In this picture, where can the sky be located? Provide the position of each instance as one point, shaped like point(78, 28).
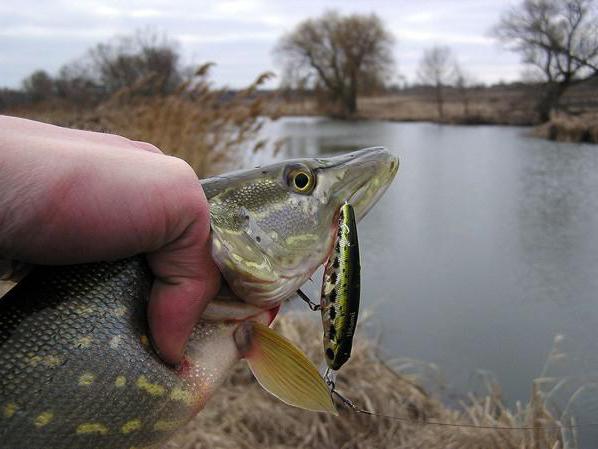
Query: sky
point(239, 35)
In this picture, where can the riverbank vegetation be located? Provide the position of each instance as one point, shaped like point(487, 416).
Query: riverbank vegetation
point(556, 39)
point(137, 89)
point(342, 66)
point(242, 415)
point(505, 104)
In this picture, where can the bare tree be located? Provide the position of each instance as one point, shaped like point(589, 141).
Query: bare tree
point(126, 60)
point(39, 85)
point(344, 55)
point(559, 38)
point(436, 68)
point(463, 81)
point(77, 83)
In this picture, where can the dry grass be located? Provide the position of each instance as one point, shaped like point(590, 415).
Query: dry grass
point(507, 105)
point(481, 109)
point(567, 128)
point(242, 415)
point(209, 128)
point(484, 106)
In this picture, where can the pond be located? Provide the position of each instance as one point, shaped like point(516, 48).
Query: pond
point(482, 257)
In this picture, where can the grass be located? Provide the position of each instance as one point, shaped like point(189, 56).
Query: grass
point(567, 128)
point(501, 105)
point(209, 128)
point(474, 106)
point(242, 415)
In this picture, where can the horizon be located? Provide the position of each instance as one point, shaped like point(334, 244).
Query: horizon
point(239, 37)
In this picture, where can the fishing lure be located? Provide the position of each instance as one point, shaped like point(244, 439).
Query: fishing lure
point(339, 300)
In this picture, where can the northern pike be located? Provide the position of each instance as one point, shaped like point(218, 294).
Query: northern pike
point(77, 369)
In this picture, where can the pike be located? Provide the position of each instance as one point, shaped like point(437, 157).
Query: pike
point(77, 368)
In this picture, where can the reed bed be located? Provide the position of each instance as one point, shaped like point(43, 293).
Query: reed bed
point(506, 107)
point(242, 415)
point(212, 129)
point(581, 128)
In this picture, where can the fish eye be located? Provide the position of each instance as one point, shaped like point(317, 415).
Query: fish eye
point(301, 180)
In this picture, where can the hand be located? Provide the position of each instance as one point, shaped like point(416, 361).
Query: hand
point(69, 196)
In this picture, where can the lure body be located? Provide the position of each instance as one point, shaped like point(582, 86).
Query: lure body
point(339, 301)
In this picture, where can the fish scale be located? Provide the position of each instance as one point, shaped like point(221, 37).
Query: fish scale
point(76, 312)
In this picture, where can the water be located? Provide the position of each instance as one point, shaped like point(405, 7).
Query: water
point(483, 250)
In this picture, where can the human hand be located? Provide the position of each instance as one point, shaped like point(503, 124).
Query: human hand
point(70, 196)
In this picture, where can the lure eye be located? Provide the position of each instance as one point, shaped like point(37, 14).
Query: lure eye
point(301, 180)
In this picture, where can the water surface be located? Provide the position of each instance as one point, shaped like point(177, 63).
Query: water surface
point(483, 250)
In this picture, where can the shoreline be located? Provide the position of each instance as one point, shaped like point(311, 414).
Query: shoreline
point(561, 128)
point(478, 107)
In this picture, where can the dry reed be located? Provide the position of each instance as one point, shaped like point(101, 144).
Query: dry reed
point(242, 415)
point(508, 107)
point(567, 128)
point(209, 128)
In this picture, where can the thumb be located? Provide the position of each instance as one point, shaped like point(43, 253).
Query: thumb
point(186, 279)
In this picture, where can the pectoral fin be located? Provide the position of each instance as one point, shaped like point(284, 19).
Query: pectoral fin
point(282, 369)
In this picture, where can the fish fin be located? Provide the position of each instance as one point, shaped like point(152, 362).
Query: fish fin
point(282, 369)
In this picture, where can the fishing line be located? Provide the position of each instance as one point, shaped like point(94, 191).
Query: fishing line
point(312, 305)
point(364, 411)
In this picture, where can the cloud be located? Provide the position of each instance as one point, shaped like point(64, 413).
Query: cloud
point(236, 34)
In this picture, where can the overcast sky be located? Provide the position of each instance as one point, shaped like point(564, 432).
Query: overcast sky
point(239, 34)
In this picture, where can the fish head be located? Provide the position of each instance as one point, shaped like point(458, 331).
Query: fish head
point(273, 226)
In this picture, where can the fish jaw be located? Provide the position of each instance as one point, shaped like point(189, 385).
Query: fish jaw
point(268, 238)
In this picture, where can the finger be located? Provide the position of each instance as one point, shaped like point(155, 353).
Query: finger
point(174, 310)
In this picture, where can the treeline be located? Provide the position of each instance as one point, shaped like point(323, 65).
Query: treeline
point(338, 58)
point(345, 56)
point(146, 60)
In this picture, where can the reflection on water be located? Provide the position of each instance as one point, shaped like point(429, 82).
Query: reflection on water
point(483, 250)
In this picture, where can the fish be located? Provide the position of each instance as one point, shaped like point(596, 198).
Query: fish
point(339, 301)
point(77, 367)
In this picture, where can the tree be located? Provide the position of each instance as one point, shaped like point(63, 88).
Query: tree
point(436, 68)
point(344, 55)
point(559, 38)
point(463, 82)
point(127, 60)
point(38, 86)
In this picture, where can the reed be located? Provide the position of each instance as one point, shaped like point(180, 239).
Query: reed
point(581, 128)
point(242, 415)
point(210, 128)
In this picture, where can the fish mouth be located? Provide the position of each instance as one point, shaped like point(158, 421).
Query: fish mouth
point(361, 177)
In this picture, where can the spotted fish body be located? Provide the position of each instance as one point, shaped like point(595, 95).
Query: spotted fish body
point(339, 303)
point(77, 368)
